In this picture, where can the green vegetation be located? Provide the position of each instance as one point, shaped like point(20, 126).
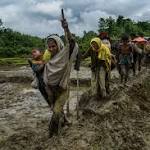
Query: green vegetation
point(15, 44)
point(116, 27)
point(16, 61)
point(84, 41)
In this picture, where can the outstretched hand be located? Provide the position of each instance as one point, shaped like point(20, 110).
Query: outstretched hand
point(64, 24)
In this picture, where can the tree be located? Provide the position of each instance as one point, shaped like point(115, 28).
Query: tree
point(121, 25)
point(103, 26)
point(13, 43)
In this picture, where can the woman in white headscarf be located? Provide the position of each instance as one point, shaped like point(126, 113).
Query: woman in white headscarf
point(56, 75)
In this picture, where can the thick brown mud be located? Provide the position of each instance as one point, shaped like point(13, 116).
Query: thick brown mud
point(121, 122)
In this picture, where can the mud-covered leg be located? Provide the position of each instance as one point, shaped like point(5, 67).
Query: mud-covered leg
point(93, 83)
point(122, 72)
point(58, 117)
point(107, 79)
point(127, 67)
point(53, 126)
point(134, 68)
point(67, 109)
point(67, 105)
point(139, 62)
point(134, 64)
point(102, 83)
point(51, 96)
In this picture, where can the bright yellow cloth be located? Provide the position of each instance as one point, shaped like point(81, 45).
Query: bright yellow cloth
point(103, 52)
point(46, 55)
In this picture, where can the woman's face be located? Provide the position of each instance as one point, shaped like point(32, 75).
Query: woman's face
point(52, 47)
point(95, 46)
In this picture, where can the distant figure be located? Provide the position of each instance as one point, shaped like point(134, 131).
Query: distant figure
point(147, 53)
point(137, 54)
point(141, 47)
point(105, 39)
point(125, 57)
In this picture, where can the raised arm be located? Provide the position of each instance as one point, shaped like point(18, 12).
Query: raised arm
point(70, 41)
point(64, 23)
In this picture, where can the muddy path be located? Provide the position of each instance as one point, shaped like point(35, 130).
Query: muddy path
point(24, 74)
point(22, 108)
point(120, 123)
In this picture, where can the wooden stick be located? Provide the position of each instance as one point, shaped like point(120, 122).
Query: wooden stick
point(62, 14)
point(77, 106)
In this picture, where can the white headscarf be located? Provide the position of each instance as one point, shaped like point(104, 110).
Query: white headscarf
point(57, 70)
point(58, 40)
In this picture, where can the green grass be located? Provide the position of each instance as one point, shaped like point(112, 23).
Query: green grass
point(17, 61)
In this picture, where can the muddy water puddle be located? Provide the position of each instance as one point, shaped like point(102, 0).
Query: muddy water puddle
point(23, 107)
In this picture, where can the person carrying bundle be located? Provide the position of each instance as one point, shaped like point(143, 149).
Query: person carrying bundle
point(57, 73)
point(57, 61)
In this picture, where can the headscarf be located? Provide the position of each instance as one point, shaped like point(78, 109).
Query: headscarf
point(57, 70)
point(103, 52)
point(58, 41)
point(47, 54)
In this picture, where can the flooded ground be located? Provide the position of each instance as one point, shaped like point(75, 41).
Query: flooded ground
point(22, 107)
point(24, 116)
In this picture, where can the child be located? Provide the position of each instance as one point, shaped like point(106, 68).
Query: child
point(37, 56)
point(39, 59)
point(37, 64)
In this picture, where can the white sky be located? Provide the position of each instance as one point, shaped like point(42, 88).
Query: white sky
point(41, 17)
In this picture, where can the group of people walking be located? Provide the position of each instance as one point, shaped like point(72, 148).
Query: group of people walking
point(52, 68)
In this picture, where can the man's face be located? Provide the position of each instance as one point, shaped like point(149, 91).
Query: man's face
point(52, 47)
point(95, 46)
point(36, 54)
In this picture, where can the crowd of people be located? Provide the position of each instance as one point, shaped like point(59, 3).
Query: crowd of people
point(52, 68)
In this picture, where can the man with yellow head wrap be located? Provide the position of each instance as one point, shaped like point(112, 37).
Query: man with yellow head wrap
point(103, 66)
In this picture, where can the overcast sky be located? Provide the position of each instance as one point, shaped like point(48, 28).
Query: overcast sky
point(41, 17)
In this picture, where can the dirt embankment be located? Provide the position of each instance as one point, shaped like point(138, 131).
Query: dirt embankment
point(120, 123)
point(24, 74)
